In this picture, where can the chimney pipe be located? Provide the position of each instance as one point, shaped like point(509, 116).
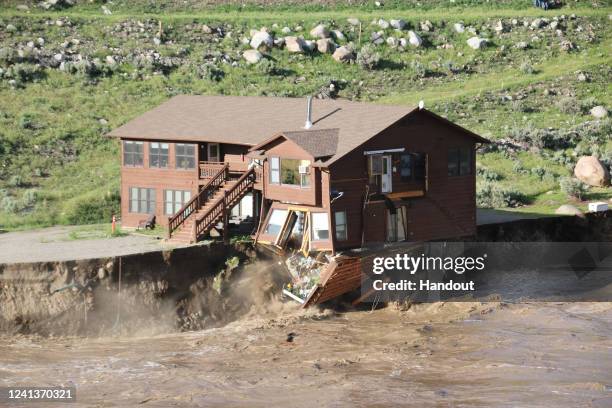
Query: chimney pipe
point(308, 123)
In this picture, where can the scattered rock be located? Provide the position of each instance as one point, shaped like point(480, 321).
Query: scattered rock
point(338, 35)
point(377, 38)
point(106, 11)
point(566, 46)
point(459, 28)
point(11, 28)
point(414, 39)
point(206, 29)
point(261, 39)
point(309, 45)
point(500, 27)
point(476, 43)
point(286, 30)
point(568, 209)
point(294, 44)
point(252, 56)
point(426, 26)
point(398, 24)
point(599, 112)
point(384, 24)
point(591, 171)
point(353, 21)
point(343, 54)
point(320, 31)
point(392, 42)
point(538, 23)
point(326, 46)
point(522, 45)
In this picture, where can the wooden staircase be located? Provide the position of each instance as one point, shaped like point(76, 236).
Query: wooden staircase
point(209, 207)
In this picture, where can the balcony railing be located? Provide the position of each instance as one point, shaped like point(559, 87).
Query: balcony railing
point(210, 169)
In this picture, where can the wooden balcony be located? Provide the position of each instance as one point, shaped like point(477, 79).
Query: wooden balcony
point(208, 170)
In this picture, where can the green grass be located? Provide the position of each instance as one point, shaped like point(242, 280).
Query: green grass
point(52, 137)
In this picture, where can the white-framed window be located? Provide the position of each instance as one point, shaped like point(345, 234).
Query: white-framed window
point(340, 220)
point(158, 154)
point(276, 222)
point(320, 226)
point(185, 156)
point(133, 153)
point(174, 200)
point(142, 200)
point(274, 170)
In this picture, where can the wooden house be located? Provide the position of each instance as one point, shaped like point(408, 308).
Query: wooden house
point(322, 175)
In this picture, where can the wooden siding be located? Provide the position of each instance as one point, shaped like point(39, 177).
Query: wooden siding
point(286, 193)
point(169, 178)
point(448, 208)
point(160, 179)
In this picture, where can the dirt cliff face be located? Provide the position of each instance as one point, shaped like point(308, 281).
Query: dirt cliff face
point(188, 288)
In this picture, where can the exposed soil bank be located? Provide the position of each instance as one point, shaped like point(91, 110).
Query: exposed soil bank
point(186, 288)
point(189, 288)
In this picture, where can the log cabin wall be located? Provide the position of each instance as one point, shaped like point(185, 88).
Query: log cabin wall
point(448, 208)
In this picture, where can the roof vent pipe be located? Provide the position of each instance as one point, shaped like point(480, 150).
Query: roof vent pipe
point(308, 123)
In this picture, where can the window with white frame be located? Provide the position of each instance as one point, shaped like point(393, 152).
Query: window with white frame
point(142, 200)
point(276, 222)
point(340, 220)
point(174, 200)
point(158, 154)
point(274, 170)
point(320, 226)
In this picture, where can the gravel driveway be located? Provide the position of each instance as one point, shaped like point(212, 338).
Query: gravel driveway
point(59, 244)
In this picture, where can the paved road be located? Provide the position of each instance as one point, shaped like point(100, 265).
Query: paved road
point(57, 244)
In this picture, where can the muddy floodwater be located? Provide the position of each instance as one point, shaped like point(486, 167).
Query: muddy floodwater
point(440, 354)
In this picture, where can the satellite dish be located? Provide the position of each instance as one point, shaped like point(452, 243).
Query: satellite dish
point(421, 104)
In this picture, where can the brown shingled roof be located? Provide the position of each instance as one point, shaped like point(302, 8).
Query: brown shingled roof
point(319, 143)
point(249, 120)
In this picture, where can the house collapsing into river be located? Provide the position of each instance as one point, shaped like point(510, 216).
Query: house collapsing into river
point(315, 178)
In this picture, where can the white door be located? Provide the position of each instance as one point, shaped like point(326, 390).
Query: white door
point(213, 152)
point(387, 169)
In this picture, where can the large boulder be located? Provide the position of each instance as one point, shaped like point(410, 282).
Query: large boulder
point(261, 39)
point(319, 31)
point(326, 46)
point(252, 56)
point(414, 39)
point(476, 43)
point(568, 209)
point(343, 54)
point(591, 171)
point(599, 112)
point(294, 44)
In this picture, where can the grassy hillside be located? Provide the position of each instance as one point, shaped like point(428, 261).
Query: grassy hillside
point(69, 76)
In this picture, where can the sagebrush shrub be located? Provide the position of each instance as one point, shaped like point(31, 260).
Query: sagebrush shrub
point(573, 187)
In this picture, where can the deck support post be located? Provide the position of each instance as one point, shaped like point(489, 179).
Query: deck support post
point(226, 238)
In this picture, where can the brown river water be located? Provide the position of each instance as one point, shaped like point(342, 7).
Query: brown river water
point(438, 354)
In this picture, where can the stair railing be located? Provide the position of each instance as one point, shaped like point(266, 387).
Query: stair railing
point(205, 222)
point(197, 201)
